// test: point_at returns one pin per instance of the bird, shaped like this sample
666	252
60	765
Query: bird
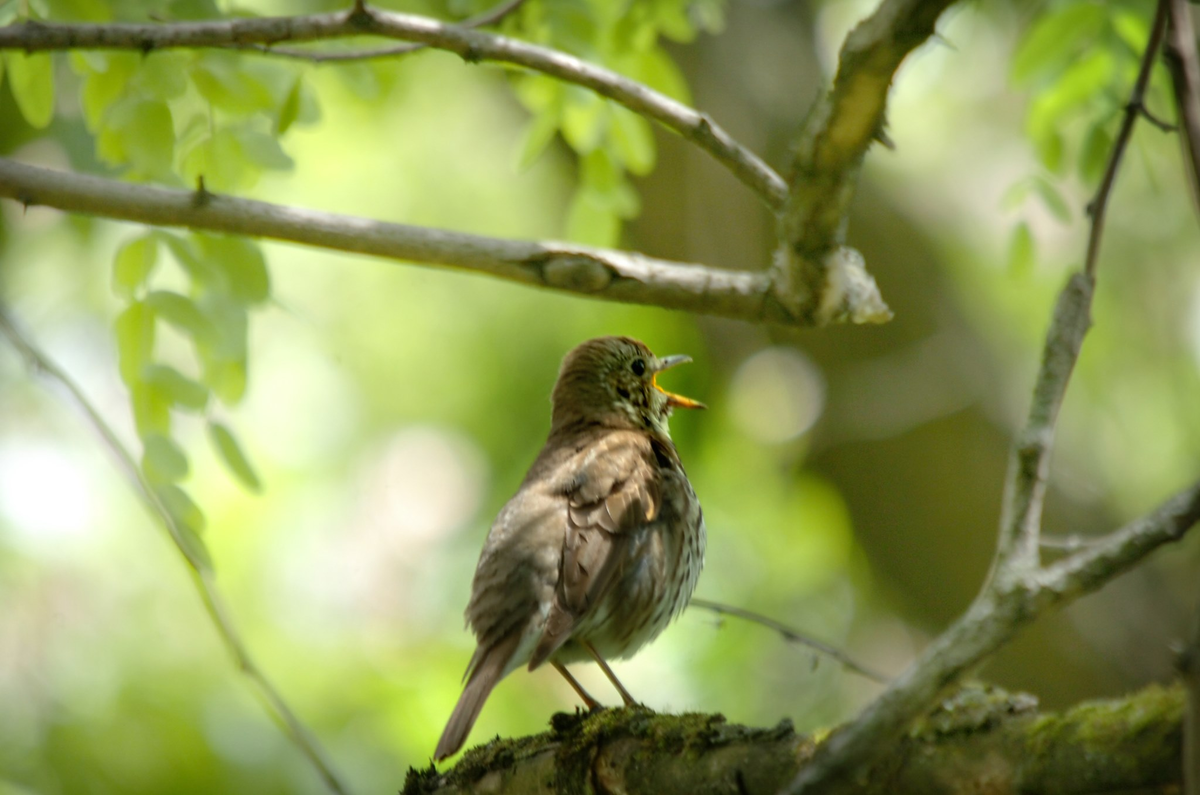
602	544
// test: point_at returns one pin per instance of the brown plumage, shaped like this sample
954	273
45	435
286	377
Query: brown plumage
603	542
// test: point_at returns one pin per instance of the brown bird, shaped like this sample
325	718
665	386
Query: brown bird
603	542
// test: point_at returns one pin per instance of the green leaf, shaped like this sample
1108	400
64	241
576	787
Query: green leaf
584	120
151	409
1020	251
606	186
162	75
176	386
263	150
31	81
135	340
133	264
538	135
199	270
221	162
228	318
189	524
1053	199
243	264
1093	156
633	139
656	69
108	78
231	453
139	132
226	378
162	460
221	80
590	223
672	19
182	313
1055	39
1049	148
290	110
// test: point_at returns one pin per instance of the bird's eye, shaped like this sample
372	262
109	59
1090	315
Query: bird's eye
638	367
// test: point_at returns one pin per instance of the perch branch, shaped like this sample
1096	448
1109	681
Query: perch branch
978	742
791	636
1018	589
594	272
295	730
471	45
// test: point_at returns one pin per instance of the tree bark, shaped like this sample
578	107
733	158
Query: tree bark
980	740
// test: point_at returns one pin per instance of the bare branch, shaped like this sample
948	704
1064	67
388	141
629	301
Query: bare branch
1099	204
1018	590
598	273
471	45
483	20
1029	463
791	635
277	706
1117	552
1184	66
840	127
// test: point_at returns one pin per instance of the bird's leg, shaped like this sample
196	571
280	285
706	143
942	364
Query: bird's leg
628	699
590	702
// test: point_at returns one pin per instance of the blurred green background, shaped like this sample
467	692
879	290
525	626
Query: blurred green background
850	477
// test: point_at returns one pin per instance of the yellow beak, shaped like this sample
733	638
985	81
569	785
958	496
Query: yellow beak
677	401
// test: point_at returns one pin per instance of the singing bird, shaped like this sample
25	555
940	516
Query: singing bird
603	542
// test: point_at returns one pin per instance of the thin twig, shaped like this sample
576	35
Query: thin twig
277	707
1098	206
482	20
1019	589
471	45
792	636
1184	66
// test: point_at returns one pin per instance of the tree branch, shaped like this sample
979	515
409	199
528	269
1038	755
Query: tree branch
979	741
482	20
202	574
1184	66
830	149
1018	590
471	45
790	635
1189	673
594	272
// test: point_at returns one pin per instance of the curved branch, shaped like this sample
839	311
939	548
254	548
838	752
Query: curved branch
791	636
471	45
594	272
278	708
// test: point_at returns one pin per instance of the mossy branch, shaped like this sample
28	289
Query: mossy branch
979	740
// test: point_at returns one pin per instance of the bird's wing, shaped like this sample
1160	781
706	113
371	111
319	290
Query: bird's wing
613	489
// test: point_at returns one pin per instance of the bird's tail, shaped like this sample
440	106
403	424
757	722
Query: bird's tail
490	669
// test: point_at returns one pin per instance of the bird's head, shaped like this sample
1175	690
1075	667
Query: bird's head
612	381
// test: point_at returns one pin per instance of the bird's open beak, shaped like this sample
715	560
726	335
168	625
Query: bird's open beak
677	401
